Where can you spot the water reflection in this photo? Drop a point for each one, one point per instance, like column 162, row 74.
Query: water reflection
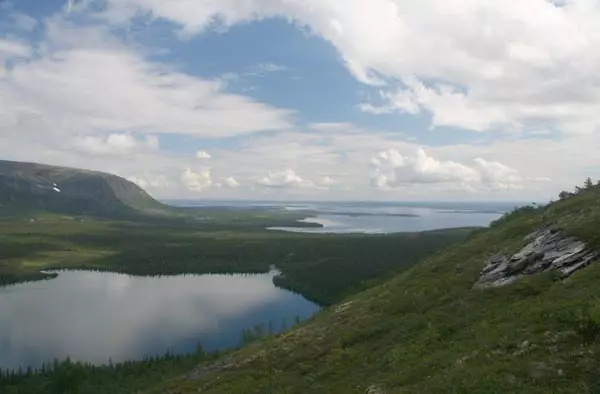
column 97, row 317
column 424, row 219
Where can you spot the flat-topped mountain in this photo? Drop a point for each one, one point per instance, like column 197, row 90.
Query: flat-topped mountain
column 31, row 187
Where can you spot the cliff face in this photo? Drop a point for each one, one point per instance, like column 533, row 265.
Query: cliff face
column 30, row 187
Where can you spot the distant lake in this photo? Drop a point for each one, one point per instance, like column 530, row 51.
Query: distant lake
column 379, row 218
column 96, row 317
column 373, row 217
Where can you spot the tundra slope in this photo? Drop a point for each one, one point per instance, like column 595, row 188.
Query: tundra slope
column 430, row 330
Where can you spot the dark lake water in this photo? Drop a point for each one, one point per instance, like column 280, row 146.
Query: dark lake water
column 96, row 317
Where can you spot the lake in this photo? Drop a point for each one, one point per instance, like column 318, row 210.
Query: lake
column 373, row 217
column 380, row 218
column 96, row 317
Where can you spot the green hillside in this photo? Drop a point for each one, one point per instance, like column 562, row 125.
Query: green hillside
column 30, row 188
column 428, row 330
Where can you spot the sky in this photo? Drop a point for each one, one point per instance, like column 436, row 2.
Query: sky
column 398, row 100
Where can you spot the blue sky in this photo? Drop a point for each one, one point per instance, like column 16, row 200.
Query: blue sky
column 311, row 99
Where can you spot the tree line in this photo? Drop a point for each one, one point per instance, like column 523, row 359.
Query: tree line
column 587, row 185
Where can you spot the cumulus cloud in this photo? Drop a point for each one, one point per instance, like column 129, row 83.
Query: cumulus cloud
column 285, row 178
column 345, row 156
column 478, row 65
column 497, row 175
column 448, row 105
column 231, row 182
column 201, row 154
column 392, row 170
column 327, row 182
column 196, row 181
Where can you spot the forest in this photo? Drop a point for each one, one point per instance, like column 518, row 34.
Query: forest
column 323, row 268
column 66, row 377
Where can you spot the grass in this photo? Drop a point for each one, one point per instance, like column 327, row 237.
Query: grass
column 427, row 331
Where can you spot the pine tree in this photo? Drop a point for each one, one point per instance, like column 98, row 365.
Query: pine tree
column 564, row 195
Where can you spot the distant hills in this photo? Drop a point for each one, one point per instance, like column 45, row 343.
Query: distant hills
column 30, row 188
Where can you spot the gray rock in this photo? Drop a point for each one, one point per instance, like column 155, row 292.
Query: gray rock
column 375, row 389
column 545, row 250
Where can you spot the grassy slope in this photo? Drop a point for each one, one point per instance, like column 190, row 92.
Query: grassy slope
column 427, row 331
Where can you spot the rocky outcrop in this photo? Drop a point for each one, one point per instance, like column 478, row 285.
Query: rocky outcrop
column 546, row 250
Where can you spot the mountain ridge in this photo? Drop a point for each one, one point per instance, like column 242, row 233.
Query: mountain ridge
column 27, row 187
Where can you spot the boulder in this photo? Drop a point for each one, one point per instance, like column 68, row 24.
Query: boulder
column 544, row 250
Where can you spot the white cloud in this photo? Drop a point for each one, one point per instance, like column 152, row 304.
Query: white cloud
column 231, row 182
column 86, row 97
column 201, row 154
column 196, row 181
column 345, row 155
column 327, row 182
column 151, row 182
column 474, row 64
column 86, row 79
column 497, row 175
column 401, row 101
column 448, row 105
column 11, row 49
column 282, row 179
column 105, row 90
column 115, row 144
column 392, row 170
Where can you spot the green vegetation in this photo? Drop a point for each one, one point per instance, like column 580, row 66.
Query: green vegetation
column 73, row 377
column 428, row 331
column 324, row 268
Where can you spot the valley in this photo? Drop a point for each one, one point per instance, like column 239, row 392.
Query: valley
column 399, row 312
